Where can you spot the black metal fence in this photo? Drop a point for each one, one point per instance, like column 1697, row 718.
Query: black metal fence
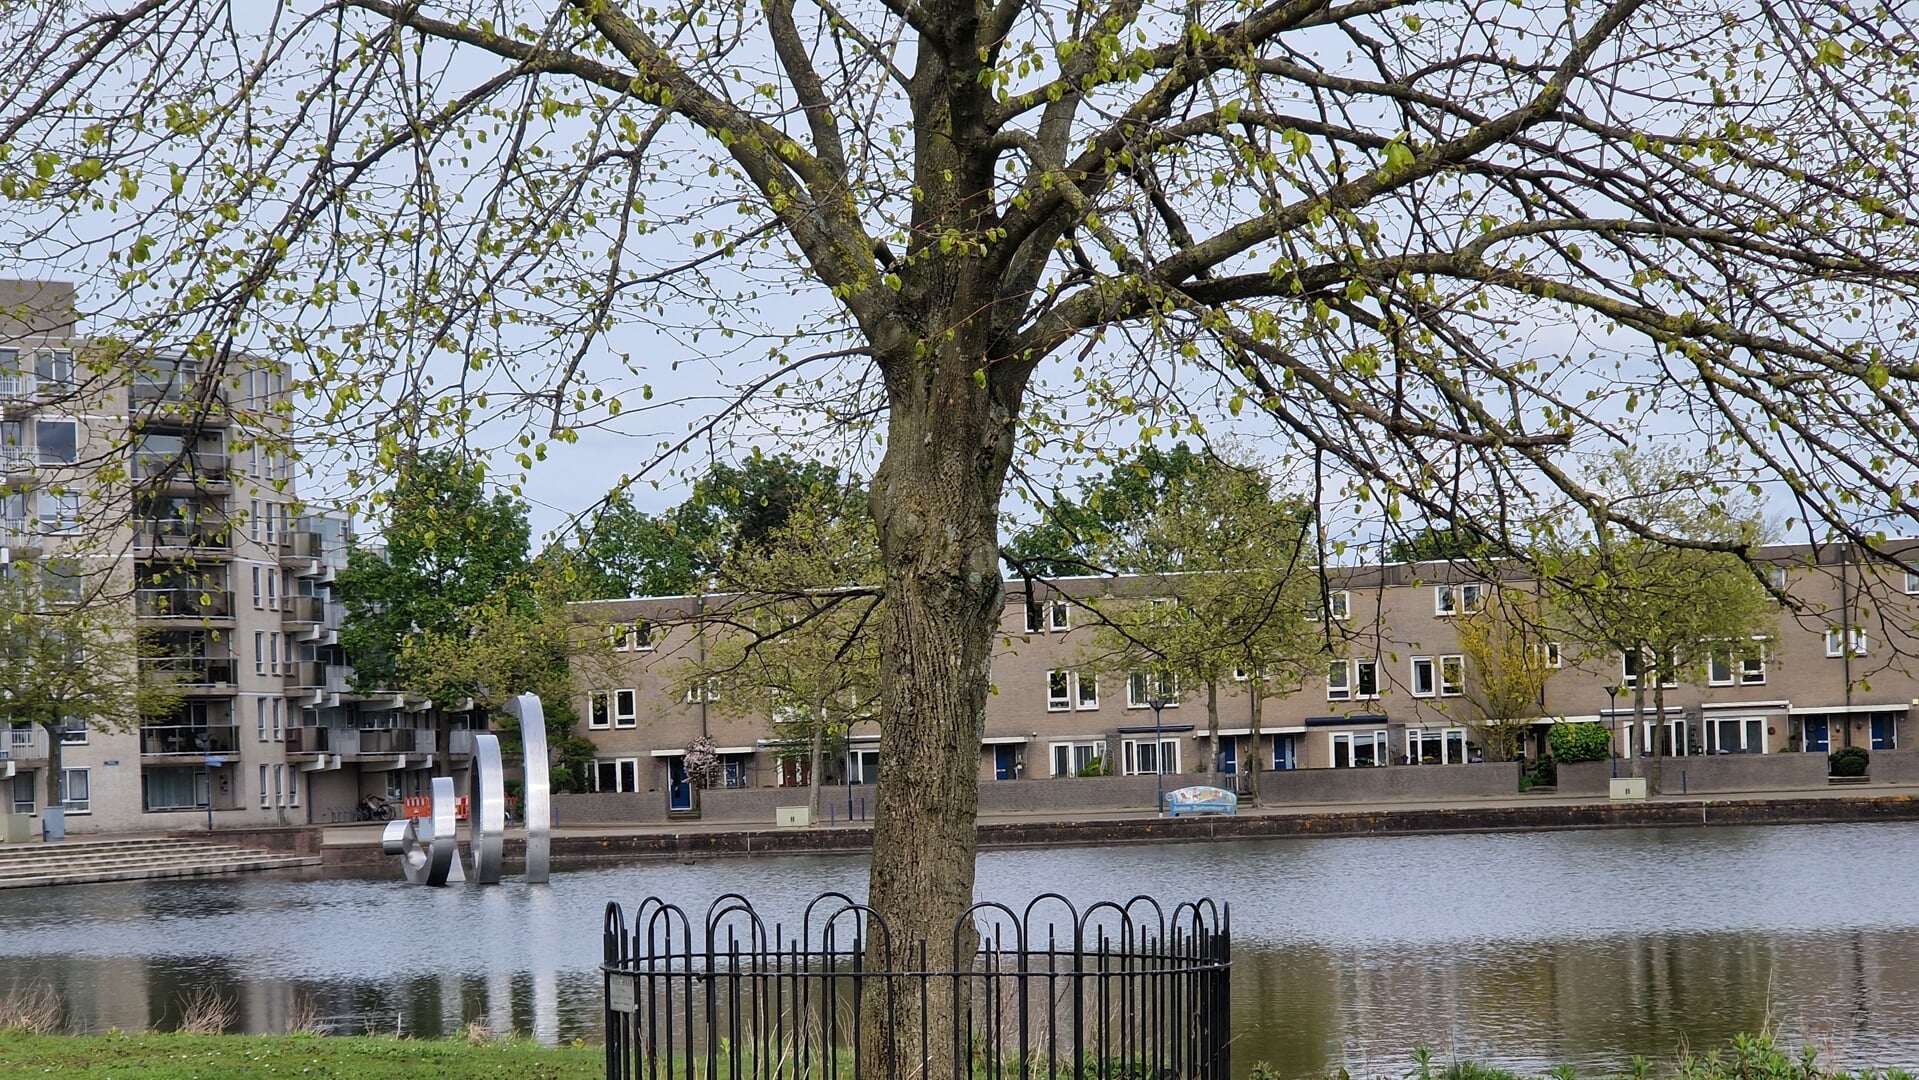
column 1116, row 991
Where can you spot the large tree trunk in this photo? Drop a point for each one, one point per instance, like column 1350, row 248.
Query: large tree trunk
column 935, row 500
column 1211, row 763
column 1255, row 687
column 813, row 772
column 54, row 794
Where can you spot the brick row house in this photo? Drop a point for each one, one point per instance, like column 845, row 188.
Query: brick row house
column 1393, row 692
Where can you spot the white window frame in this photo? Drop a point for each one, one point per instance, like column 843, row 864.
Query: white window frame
column 1455, row 686
column 1667, row 678
column 1459, row 598
column 260, row 717
column 1138, row 692
column 256, row 589
column 1059, row 615
column 1339, row 680
column 1554, row 653
column 626, row 707
column 1427, row 667
column 1851, row 641
column 263, row 787
column 1059, row 690
column 1362, row 665
column 1067, row 752
column 1166, row 760
column 599, row 710
column 71, row 726
column 1339, row 604
column 626, row 770
column 1912, row 583
column 279, row 731
column 705, row 693
column 1085, row 691
column 273, row 651
column 1377, row 740
column 259, row 652
column 1446, row 737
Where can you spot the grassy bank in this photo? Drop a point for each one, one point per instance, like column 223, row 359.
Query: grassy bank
column 313, row 1057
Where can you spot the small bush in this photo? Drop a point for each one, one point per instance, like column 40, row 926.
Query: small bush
column 1579, row 742
column 1095, row 767
column 1848, row 761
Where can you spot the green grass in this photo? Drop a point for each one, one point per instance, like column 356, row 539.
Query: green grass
column 311, row 1057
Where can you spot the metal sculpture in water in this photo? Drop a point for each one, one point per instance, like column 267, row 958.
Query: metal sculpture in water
column 429, row 848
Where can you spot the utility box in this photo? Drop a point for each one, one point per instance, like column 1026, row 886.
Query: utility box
column 1629, row 787
column 793, row 817
column 16, row 828
column 53, row 823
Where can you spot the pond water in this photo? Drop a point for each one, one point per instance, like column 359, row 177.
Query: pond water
column 1521, row 949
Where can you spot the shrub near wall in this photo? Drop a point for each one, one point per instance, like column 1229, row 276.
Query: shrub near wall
column 1572, row 743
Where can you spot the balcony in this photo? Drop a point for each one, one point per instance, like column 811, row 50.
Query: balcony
column 191, row 674
column 352, row 743
column 300, row 544
column 303, row 609
column 198, row 468
column 308, row 740
column 188, row 741
column 17, row 535
column 459, row 742
column 16, row 465
column 24, row 744
column 305, row 675
column 178, row 402
column 183, row 604
column 182, row 536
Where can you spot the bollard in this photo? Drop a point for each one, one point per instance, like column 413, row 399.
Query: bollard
column 1682, row 781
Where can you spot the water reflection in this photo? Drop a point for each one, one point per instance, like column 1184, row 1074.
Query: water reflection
column 1520, row 949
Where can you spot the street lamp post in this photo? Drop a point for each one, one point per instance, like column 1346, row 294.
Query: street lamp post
column 1156, row 703
column 1612, row 720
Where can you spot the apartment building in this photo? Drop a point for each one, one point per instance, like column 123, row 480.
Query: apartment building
column 1393, row 692
column 202, row 536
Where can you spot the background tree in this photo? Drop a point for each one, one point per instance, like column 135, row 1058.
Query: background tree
column 1235, row 560
column 452, row 559
column 63, row 662
column 1083, row 534
column 1663, row 608
column 796, row 639
column 1505, row 647
column 989, row 229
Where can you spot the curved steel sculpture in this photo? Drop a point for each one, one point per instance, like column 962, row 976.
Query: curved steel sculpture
column 429, row 848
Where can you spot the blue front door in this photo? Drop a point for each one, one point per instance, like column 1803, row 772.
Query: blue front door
column 1229, row 756
column 679, row 792
column 1816, row 736
column 1283, row 752
column 1883, row 726
column 1005, row 762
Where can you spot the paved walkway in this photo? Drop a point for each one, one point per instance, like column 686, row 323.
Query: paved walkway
column 369, row 833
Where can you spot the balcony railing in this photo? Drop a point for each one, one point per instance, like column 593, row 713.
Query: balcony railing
column 460, row 742
column 15, row 529
column 163, row 741
column 304, row 609
column 24, row 744
column 306, row 674
column 176, row 389
column 182, row 532
column 307, row 740
column 15, row 459
column 183, row 604
column 189, row 670
column 189, row 465
column 300, row 544
column 379, row 742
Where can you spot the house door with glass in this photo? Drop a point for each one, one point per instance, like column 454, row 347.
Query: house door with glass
column 1229, row 755
column 679, row 789
column 1005, row 762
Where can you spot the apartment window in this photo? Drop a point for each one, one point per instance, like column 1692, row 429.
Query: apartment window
column 1045, row 615
column 1777, row 578
column 1339, row 681
column 263, row 787
column 1059, row 695
column 1444, row 747
column 78, row 795
column 1730, row 665
column 293, row 787
column 1629, row 665
column 1358, row 749
column 1848, row 642
column 1085, row 690
column 273, row 591
column 1463, row 599
column 57, row 441
column 256, row 588
column 705, row 693
column 253, row 529
column 277, row 714
column 1144, row 757
column 1553, row 654
column 1425, row 677
column 260, row 717
column 273, row 651
column 631, row 637
column 270, row 540
column 1452, row 676
column 59, row 513
column 599, row 711
column 259, row 652
column 1143, row 686
column 1338, row 604
column 1912, row 582
column 54, row 367
column 626, row 710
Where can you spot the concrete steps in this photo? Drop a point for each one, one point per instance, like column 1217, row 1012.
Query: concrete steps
column 74, row 862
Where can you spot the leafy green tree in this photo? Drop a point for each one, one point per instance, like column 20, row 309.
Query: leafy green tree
column 1089, row 533
column 452, row 560
column 1506, row 650
column 64, row 662
column 970, row 232
column 1456, row 542
column 1663, row 608
column 797, row 640
column 1234, row 560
